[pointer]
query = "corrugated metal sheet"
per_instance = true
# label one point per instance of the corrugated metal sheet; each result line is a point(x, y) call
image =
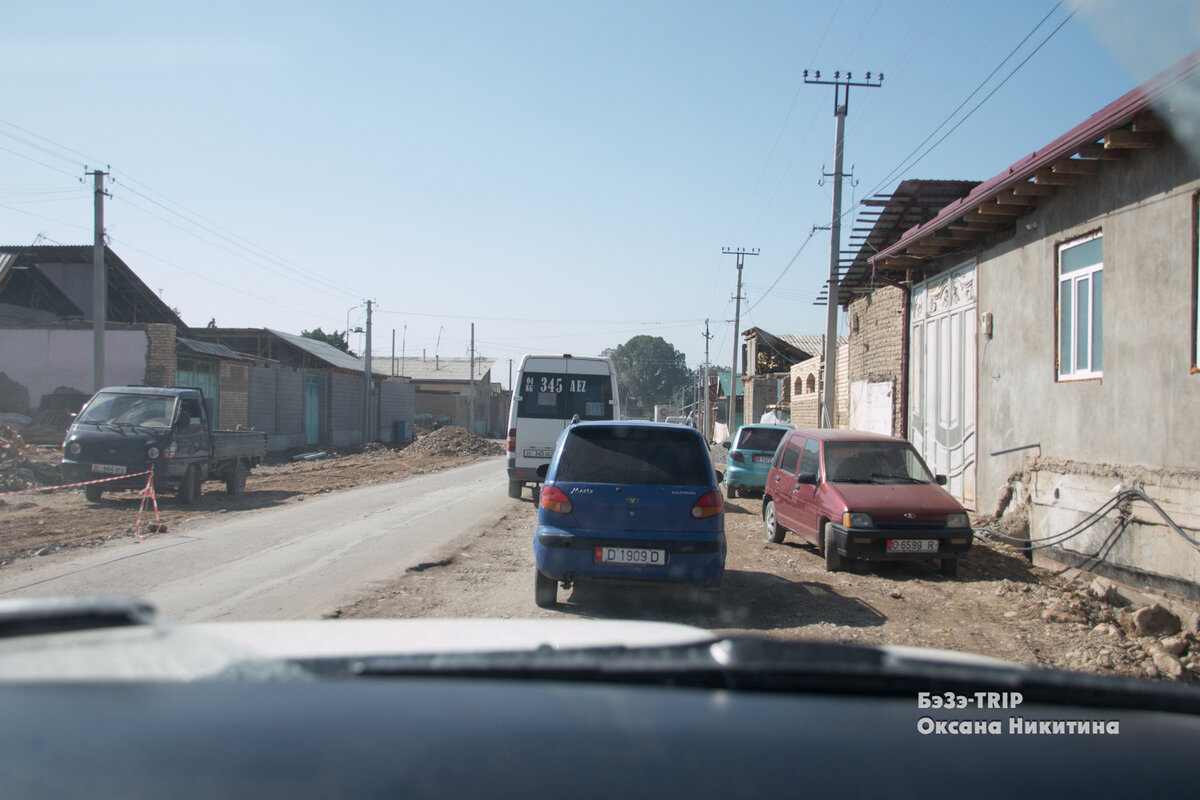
point(322, 350)
point(208, 348)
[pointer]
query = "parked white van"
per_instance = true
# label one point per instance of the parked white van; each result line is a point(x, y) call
point(550, 392)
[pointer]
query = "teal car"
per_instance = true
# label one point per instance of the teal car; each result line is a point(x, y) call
point(750, 455)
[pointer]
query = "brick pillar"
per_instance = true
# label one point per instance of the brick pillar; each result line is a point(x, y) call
point(160, 354)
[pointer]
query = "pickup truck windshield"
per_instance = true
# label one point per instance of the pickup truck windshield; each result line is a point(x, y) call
point(115, 408)
point(874, 462)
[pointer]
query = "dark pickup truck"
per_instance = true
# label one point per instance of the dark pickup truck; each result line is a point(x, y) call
point(127, 430)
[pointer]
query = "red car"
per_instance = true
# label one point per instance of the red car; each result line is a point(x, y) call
point(862, 495)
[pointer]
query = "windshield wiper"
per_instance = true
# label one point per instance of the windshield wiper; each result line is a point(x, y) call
point(897, 478)
point(765, 665)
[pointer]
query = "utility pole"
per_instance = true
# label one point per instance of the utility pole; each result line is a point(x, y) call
point(737, 322)
point(471, 396)
point(707, 428)
point(99, 284)
point(367, 380)
point(841, 107)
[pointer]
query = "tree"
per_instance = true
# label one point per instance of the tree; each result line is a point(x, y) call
point(338, 339)
point(650, 371)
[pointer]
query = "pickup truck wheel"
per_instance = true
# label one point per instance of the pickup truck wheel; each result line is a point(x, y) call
point(833, 559)
point(545, 590)
point(93, 493)
point(189, 488)
point(948, 567)
point(235, 484)
point(514, 489)
point(775, 532)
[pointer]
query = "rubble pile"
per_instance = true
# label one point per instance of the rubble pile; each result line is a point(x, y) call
point(16, 469)
point(453, 440)
point(1147, 639)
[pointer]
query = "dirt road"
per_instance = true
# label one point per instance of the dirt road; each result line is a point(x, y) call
point(998, 606)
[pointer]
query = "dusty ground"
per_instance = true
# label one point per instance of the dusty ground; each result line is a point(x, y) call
point(999, 605)
point(40, 522)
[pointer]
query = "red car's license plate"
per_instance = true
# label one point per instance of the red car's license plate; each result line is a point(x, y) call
point(912, 545)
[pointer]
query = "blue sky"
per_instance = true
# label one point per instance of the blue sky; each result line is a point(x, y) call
point(562, 174)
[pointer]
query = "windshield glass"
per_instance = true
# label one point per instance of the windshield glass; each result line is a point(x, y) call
point(116, 408)
point(765, 439)
point(874, 462)
point(341, 232)
point(641, 455)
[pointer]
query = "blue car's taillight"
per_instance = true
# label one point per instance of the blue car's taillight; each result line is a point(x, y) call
point(709, 505)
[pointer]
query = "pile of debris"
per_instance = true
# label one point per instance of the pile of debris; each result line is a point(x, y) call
point(16, 469)
point(453, 440)
point(1149, 638)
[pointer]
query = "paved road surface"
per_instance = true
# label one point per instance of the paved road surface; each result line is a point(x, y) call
point(299, 561)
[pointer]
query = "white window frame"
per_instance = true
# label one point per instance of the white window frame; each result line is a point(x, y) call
point(1196, 283)
point(1066, 324)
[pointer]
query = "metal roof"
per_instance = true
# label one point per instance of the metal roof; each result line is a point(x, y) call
point(886, 218)
point(457, 370)
point(322, 350)
point(994, 205)
point(129, 299)
point(208, 348)
point(25, 287)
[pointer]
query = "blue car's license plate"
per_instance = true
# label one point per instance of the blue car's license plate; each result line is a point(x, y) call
point(634, 556)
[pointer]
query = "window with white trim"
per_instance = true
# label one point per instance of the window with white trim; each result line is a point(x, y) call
point(1081, 308)
point(1196, 283)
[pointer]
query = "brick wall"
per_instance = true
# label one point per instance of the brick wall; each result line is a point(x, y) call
point(160, 354)
point(235, 394)
point(876, 344)
point(805, 379)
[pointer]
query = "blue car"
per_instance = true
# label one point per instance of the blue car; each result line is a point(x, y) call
point(630, 501)
point(750, 456)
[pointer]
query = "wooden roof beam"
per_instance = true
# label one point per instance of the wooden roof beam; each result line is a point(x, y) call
point(1014, 200)
point(1048, 178)
point(994, 209)
point(1129, 140)
point(976, 224)
point(1075, 166)
point(1100, 153)
point(1148, 123)
point(1028, 189)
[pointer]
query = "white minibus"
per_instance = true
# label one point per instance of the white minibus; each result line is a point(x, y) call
point(550, 392)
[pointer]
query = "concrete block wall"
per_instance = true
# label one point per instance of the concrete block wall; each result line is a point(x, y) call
point(396, 403)
point(160, 354)
point(442, 404)
point(275, 405)
point(345, 410)
point(1147, 552)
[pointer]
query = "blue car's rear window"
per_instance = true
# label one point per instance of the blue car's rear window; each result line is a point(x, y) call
point(653, 456)
point(760, 439)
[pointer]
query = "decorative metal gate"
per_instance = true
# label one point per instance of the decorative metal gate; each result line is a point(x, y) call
point(942, 374)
